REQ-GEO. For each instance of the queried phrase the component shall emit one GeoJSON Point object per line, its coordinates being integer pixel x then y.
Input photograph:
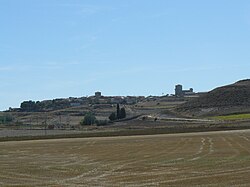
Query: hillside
{"type": "Point", "coordinates": [234, 98]}
{"type": "Point", "coordinates": [230, 99]}
{"type": "Point", "coordinates": [60, 113]}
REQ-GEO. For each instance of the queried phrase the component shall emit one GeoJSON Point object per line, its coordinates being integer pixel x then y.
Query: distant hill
{"type": "Point", "coordinates": [234, 98]}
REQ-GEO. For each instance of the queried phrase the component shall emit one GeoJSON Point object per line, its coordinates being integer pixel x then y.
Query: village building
{"type": "Point", "coordinates": [179, 92]}
{"type": "Point", "coordinates": [117, 99]}
{"type": "Point", "coordinates": [98, 94]}
{"type": "Point", "coordinates": [75, 104]}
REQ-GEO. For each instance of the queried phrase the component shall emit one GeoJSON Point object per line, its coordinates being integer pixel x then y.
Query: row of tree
{"type": "Point", "coordinates": [120, 113]}
{"type": "Point", "coordinates": [37, 106]}
{"type": "Point", "coordinates": [90, 119]}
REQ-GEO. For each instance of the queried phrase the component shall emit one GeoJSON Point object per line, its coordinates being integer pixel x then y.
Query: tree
{"type": "Point", "coordinates": [118, 111]}
{"type": "Point", "coordinates": [5, 118]}
{"type": "Point", "coordinates": [28, 106]}
{"type": "Point", "coordinates": [112, 116]}
{"type": "Point", "coordinates": [122, 113]}
{"type": "Point", "coordinates": [89, 119]}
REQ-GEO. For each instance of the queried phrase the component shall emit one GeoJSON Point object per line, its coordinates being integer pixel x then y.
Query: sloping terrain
{"type": "Point", "coordinates": [230, 99]}
{"type": "Point", "coordinates": [71, 116]}
{"type": "Point", "coordinates": [234, 98]}
{"type": "Point", "coordinates": [64, 117]}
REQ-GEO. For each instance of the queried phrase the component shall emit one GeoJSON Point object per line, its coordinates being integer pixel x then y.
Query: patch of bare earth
{"type": "Point", "coordinates": [192, 159]}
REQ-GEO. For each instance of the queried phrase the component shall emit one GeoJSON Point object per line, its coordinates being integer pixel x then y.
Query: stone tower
{"type": "Point", "coordinates": [178, 90]}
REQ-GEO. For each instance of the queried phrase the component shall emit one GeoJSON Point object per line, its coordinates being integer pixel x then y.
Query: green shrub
{"type": "Point", "coordinates": [122, 113]}
{"type": "Point", "coordinates": [112, 116]}
{"type": "Point", "coordinates": [5, 118]}
{"type": "Point", "coordinates": [89, 119]}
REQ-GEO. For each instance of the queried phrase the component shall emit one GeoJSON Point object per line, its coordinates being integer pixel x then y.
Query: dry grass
{"type": "Point", "coordinates": [192, 159]}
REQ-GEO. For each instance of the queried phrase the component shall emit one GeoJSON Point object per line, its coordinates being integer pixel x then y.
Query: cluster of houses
{"type": "Point", "coordinates": [99, 99]}
{"type": "Point", "coordinates": [179, 92]}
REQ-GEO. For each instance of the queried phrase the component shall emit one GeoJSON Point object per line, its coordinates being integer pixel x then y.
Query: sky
{"type": "Point", "coordinates": [72, 48]}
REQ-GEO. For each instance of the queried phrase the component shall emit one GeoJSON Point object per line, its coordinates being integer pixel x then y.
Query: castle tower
{"type": "Point", "coordinates": [178, 90]}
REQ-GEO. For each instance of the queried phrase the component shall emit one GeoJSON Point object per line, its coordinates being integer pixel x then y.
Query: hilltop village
{"type": "Point", "coordinates": [184, 107]}
{"type": "Point", "coordinates": [65, 112]}
{"type": "Point", "coordinates": [97, 99]}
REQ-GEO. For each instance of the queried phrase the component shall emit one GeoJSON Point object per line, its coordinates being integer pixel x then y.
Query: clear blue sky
{"type": "Point", "coordinates": [62, 48]}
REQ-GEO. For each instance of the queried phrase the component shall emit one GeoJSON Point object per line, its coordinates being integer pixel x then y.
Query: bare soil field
{"type": "Point", "coordinates": [190, 159]}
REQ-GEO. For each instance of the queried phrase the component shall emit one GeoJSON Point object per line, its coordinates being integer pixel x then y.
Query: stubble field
{"type": "Point", "coordinates": [191, 159]}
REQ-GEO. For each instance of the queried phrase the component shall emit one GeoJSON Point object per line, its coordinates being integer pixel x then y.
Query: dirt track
{"type": "Point", "coordinates": [202, 159]}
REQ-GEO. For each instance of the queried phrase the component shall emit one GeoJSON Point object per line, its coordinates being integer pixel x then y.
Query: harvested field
{"type": "Point", "coordinates": [38, 132]}
{"type": "Point", "coordinates": [191, 159]}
